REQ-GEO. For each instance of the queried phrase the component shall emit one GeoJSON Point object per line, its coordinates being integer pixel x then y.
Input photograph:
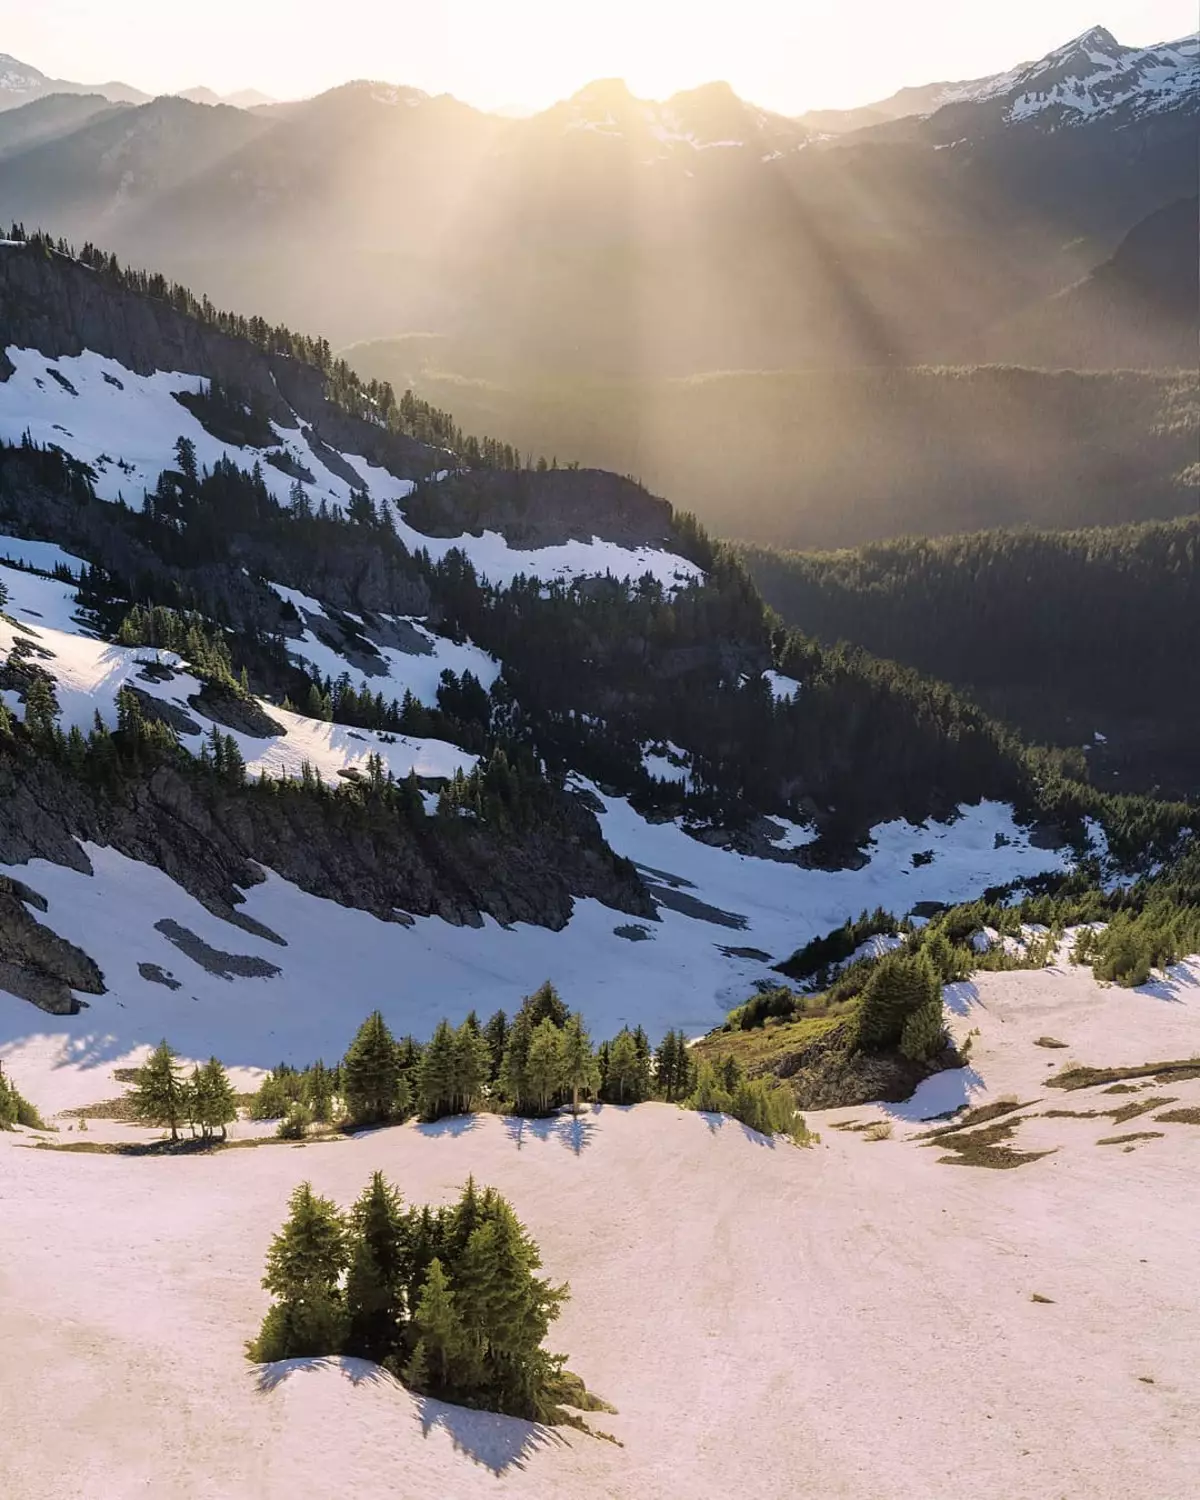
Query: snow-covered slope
{"type": "Point", "coordinates": [125, 427]}
{"type": "Point", "coordinates": [758, 1317]}
{"type": "Point", "coordinates": [723, 917]}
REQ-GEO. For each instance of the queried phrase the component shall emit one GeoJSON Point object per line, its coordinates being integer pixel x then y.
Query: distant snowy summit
{"type": "Point", "coordinates": [1088, 78]}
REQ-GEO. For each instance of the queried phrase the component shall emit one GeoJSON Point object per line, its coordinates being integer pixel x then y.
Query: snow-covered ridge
{"type": "Point", "coordinates": [125, 427]}
{"type": "Point", "coordinates": [1091, 76]}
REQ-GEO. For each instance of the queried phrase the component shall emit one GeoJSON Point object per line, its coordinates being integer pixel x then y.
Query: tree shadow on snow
{"type": "Point", "coordinates": [573, 1131]}
{"type": "Point", "coordinates": [961, 997]}
{"type": "Point", "coordinates": [497, 1443]}
{"type": "Point", "coordinates": [357, 1371]}
{"type": "Point", "coordinates": [453, 1126]}
{"type": "Point", "coordinates": [1169, 986]}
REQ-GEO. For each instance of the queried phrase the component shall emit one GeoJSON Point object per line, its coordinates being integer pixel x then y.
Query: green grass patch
{"type": "Point", "coordinates": [1190, 1116]}
{"type": "Point", "coordinates": [1135, 1135]}
{"type": "Point", "coordinates": [760, 1049]}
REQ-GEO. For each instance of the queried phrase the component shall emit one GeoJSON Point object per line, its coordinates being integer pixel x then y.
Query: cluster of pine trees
{"type": "Point", "coordinates": [162, 1095]}
{"type": "Point", "coordinates": [189, 635]}
{"type": "Point", "coordinates": [534, 1064]}
{"type": "Point", "coordinates": [447, 1299]}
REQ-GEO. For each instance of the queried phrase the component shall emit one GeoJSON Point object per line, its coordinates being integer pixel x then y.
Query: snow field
{"type": "Point", "coordinates": [750, 1310]}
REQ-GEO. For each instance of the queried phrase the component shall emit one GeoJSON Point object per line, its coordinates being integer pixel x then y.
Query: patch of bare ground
{"type": "Point", "coordinates": [106, 1109]}
{"type": "Point", "coordinates": [1179, 1117]}
{"type": "Point", "coordinates": [987, 1147]}
{"type": "Point", "coordinates": [1160, 1072]}
{"type": "Point", "coordinates": [981, 1115]}
{"type": "Point", "coordinates": [185, 1147]}
{"type": "Point", "coordinates": [1048, 1041]}
{"type": "Point", "coordinates": [1134, 1135]}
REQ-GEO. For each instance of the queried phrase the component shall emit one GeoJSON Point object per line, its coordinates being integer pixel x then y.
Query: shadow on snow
{"type": "Point", "coordinates": [495, 1442]}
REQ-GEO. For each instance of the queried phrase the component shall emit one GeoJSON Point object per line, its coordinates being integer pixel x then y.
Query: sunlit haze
{"type": "Point", "coordinates": [789, 56]}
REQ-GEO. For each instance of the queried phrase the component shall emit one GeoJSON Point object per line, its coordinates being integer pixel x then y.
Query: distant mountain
{"type": "Point", "coordinates": [48, 118]}
{"type": "Point", "coordinates": [709, 118]}
{"type": "Point", "coordinates": [1089, 77]}
{"type": "Point", "coordinates": [616, 236]}
{"type": "Point", "coordinates": [244, 99]}
{"type": "Point", "coordinates": [21, 84]}
{"type": "Point", "coordinates": [1139, 308]}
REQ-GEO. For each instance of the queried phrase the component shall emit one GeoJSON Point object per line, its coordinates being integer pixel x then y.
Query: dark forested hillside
{"type": "Point", "coordinates": [1063, 634]}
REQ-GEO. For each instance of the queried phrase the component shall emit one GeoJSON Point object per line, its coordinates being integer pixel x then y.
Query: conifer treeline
{"type": "Point", "coordinates": [1043, 624]}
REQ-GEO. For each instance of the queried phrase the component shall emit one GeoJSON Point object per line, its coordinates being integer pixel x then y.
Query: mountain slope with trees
{"type": "Point", "coordinates": [1075, 637]}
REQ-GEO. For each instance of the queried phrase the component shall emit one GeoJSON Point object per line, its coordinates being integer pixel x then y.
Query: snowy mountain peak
{"type": "Point", "coordinates": [17, 77]}
{"type": "Point", "coordinates": [1097, 39]}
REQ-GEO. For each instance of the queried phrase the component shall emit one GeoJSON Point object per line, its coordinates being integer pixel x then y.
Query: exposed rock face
{"type": "Point", "coordinates": [533, 509]}
{"type": "Point", "coordinates": [62, 308]}
{"type": "Point", "coordinates": [35, 962]}
{"type": "Point", "coordinates": [214, 842]}
{"type": "Point", "coordinates": [243, 714]}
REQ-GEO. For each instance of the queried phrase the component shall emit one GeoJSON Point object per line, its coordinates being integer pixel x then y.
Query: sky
{"type": "Point", "coordinates": [788, 55]}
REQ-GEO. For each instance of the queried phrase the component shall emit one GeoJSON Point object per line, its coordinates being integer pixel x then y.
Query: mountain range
{"type": "Point", "coordinates": [22, 84]}
{"type": "Point", "coordinates": [615, 235]}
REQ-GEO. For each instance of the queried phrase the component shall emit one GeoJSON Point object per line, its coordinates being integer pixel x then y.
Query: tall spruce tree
{"type": "Point", "coordinates": [372, 1085]}
{"type": "Point", "coordinates": [577, 1063]}
{"type": "Point", "coordinates": [627, 1074]}
{"type": "Point", "coordinates": [439, 1331]}
{"type": "Point", "coordinates": [304, 1267]}
{"type": "Point", "coordinates": [379, 1265]}
{"type": "Point", "coordinates": [159, 1093]}
{"type": "Point", "coordinates": [212, 1100]}
{"type": "Point", "coordinates": [544, 1065]}
{"type": "Point", "coordinates": [437, 1074]}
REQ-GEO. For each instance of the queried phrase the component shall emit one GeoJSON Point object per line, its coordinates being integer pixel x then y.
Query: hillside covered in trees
{"type": "Point", "coordinates": [1077, 638]}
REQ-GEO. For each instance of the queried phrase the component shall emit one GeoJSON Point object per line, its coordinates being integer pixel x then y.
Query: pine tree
{"type": "Point", "coordinates": [318, 1092]}
{"type": "Point", "coordinates": [496, 1033]}
{"type": "Point", "coordinates": [159, 1094]}
{"type": "Point", "coordinates": [577, 1063]}
{"type": "Point", "coordinates": [437, 1074]}
{"type": "Point", "coordinates": [212, 1099]}
{"type": "Point", "coordinates": [41, 709]}
{"type": "Point", "coordinates": [544, 1067]}
{"type": "Point", "coordinates": [710, 1095]}
{"type": "Point", "coordinates": [304, 1267]}
{"type": "Point", "coordinates": [371, 1083]}
{"type": "Point", "coordinates": [472, 1064]}
{"type": "Point", "coordinates": [379, 1261]}
{"type": "Point", "coordinates": [438, 1327]}
{"type": "Point", "coordinates": [627, 1074]}
{"type": "Point", "coordinates": [900, 984]}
